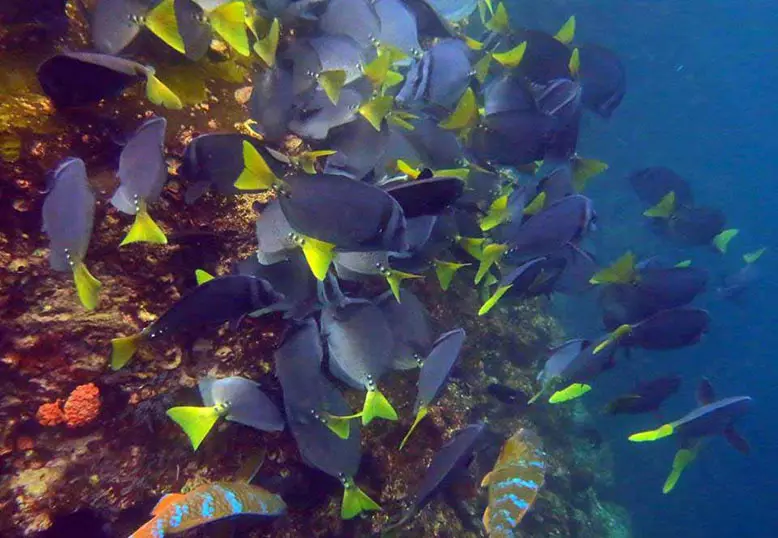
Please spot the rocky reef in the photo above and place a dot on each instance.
(102, 465)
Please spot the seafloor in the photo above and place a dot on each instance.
(102, 479)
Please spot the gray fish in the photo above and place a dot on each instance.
(356, 265)
(669, 329)
(438, 148)
(68, 217)
(559, 361)
(410, 323)
(397, 26)
(434, 373)
(244, 400)
(449, 73)
(359, 342)
(557, 184)
(652, 184)
(142, 175)
(339, 53)
(579, 269)
(271, 102)
(225, 298)
(321, 115)
(603, 79)
(116, 23)
(356, 19)
(193, 27)
(274, 235)
(535, 277)
(452, 457)
(359, 148)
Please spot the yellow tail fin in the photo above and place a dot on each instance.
(340, 426)
(195, 421)
(620, 331)
(375, 110)
(267, 46)
(162, 22)
(681, 460)
(144, 230)
(307, 159)
(377, 406)
(123, 348)
(664, 209)
(497, 214)
(499, 22)
(256, 174)
(566, 33)
(332, 83)
(482, 68)
(203, 276)
(622, 271)
(318, 254)
(751, 257)
(489, 256)
(377, 70)
(445, 272)
(229, 21)
(584, 170)
(537, 203)
(355, 501)
(159, 94)
(511, 58)
(489, 304)
(576, 390)
(721, 241)
(574, 65)
(652, 435)
(465, 114)
(87, 286)
(394, 278)
(423, 411)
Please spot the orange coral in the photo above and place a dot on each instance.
(82, 406)
(50, 414)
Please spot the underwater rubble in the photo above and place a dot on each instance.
(102, 471)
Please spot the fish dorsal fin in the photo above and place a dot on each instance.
(166, 501)
(737, 441)
(705, 392)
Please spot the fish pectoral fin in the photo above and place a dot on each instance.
(652, 435)
(681, 460)
(123, 348)
(319, 255)
(159, 94)
(229, 21)
(203, 276)
(195, 421)
(256, 174)
(576, 390)
(267, 46)
(511, 58)
(332, 83)
(423, 411)
(355, 501)
(87, 286)
(394, 278)
(161, 21)
(489, 304)
(377, 406)
(144, 230)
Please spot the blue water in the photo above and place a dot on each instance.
(702, 84)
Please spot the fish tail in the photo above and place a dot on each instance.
(340, 426)
(664, 209)
(195, 421)
(123, 348)
(445, 272)
(652, 435)
(419, 417)
(355, 501)
(574, 66)
(87, 286)
(229, 21)
(376, 109)
(159, 94)
(203, 276)
(377, 70)
(394, 278)
(161, 21)
(614, 337)
(482, 68)
(721, 241)
(682, 459)
(537, 203)
(493, 299)
(377, 406)
(465, 114)
(491, 253)
(567, 32)
(511, 58)
(267, 46)
(574, 391)
(256, 174)
(332, 83)
(622, 271)
(144, 230)
(584, 169)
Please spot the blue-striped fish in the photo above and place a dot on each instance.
(514, 483)
(179, 512)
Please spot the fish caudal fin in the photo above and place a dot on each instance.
(423, 411)
(489, 256)
(652, 435)
(340, 426)
(614, 337)
(394, 278)
(377, 406)
(584, 169)
(332, 83)
(622, 271)
(159, 94)
(318, 254)
(664, 209)
(574, 66)
(123, 348)
(464, 115)
(493, 299)
(537, 203)
(499, 22)
(161, 21)
(355, 501)
(87, 286)
(144, 230)
(482, 68)
(229, 21)
(721, 241)
(751, 257)
(511, 58)
(256, 174)
(195, 421)
(576, 390)
(203, 276)
(497, 214)
(682, 459)
(267, 46)
(376, 109)
(445, 272)
(567, 32)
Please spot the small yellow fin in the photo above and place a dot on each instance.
(681, 460)
(256, 174)
(423, 411)
(499, 22)
(472, 43)
(159, 94)
(318, 254)
(511, 58)
(684, 263)
(393, 78)
(266, 47)
(203, 276)
(407, 169)
(584, 170)
(394, 278)
(229, 21)
(376, 109)
(721, 241)
(355, 501)
(576, 390)
(473, 246)
(537, 204)
(332, 83)
(566, 33)
(195, 421)
(620, 331)
(622, 271)
(340, 426)
(144, 230)
(377, 406)
(497, 214)
(445, 272)
(751, 257)
(652, 435)
(87, 286)
(489, 304)
(574, 64)
(307, 160)
(464, 115)
(377, 70)
(161, 21)
(664, 209)
(123, 348)
(490, 254)
(482, 68)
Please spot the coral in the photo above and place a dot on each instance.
(82, 406)
(50, 414)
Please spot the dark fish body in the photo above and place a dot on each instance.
(588, 364)
(603, 79)
(271, 102)
(557, 184)
(356, 19)
(535, 277)
(560, 358)
(290, 278)
(409, 322)
(646, 397)
(142, 168)
(579, 268)
(321, 115)
(81, 78)
(244, 401)
(225, 298)
(437, 147)
(545, 58)
(424, 197)
(397, 26)
(115, 23)
(358, 146)
(274, 241)
(430, 22)
(68, 214)
(352, 215)
(437, 367)
(712, 419)
(439, 78)
(696, 226)
(654, 183)
(669, 329)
